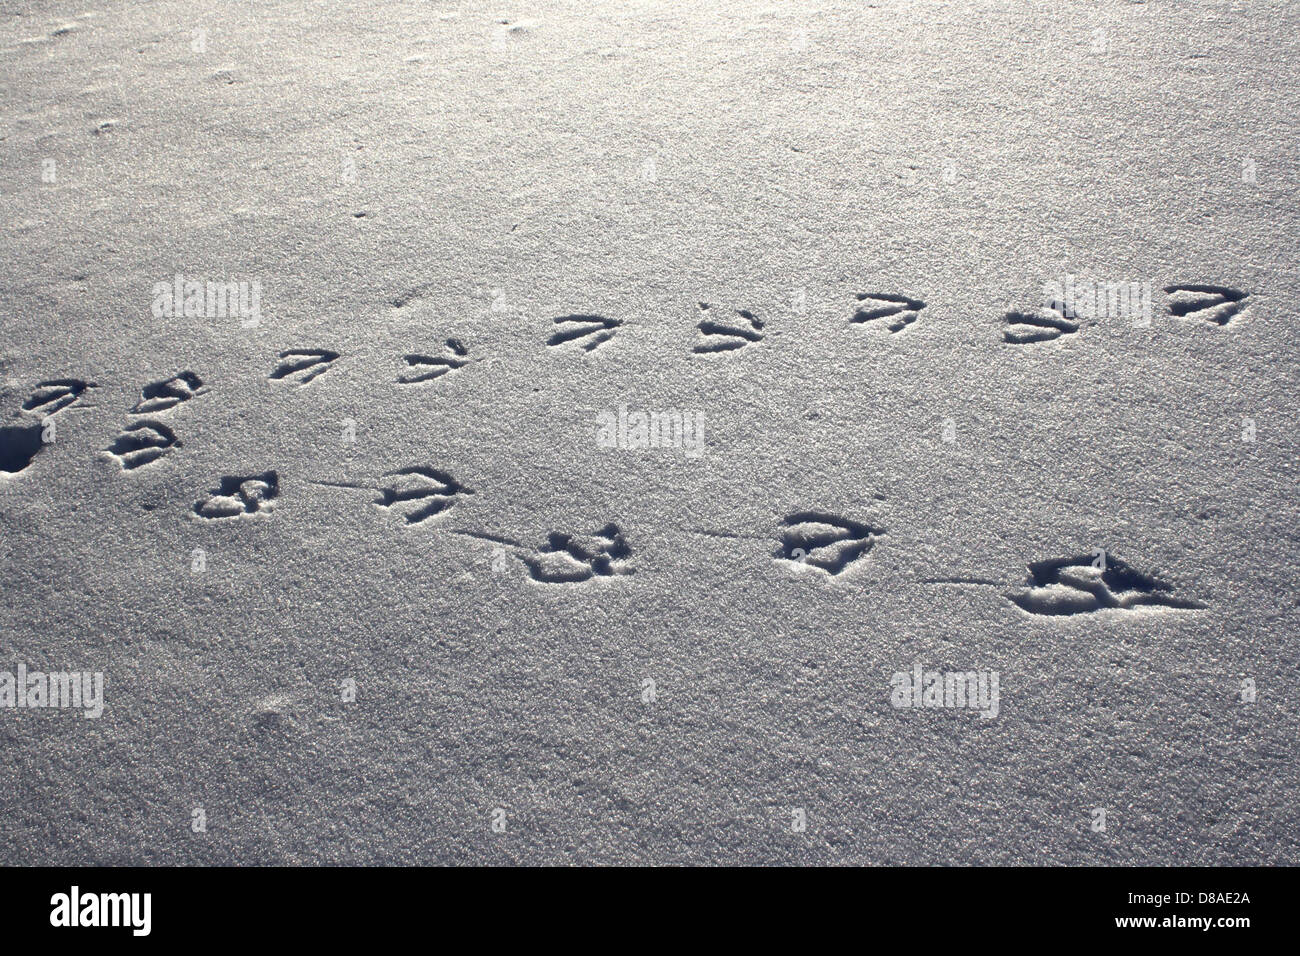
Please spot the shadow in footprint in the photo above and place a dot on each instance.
(568, 559)
(720, 337)
(159, 396)
(1040, 325)
(429, 490)
(901, 310)
(596, 329)
(825, 541)
(143, 442)
(424, 368)
(1217, 304)
(19, 444)
(309, 362)
(1084, 584)
(55, 395)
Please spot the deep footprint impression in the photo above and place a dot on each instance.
(1087, 583)
(19, 444)
(1039, 325)
(901, 310)
(55, 394)
(170, 392)
(594, 329)
(239, 495)
(719, 337)
(428, 491)
(423, 368)
(142, 443)
(306, 364)
(825, 541)
(1216, 304)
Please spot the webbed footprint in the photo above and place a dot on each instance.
(143, 442)
(824, 541)
(56, 394)
(1084, 584)
(238, 495)
(168, 393)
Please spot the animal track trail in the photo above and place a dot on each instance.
(1084, 584)
(424, 368)
(594, 329)
(168, 393)
(305, 364)
(141, 443)
(427, 492)
(239, 495)
(1216, 304)
(720, 337)
(56, 394)
(901, 310)
(1040, 325)
(824, 541)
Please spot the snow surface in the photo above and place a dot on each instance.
(395, 175)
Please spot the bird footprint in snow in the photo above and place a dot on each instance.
(423, 368)
(589, 331)
(1087, 583)
(238, 495)
(717, 336)
(827, 542)
(306, 364)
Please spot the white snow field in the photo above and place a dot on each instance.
(330, 335)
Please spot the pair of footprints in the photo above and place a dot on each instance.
(1215, 304)
(822, 541)
(1057, 586)
(728, 334)
(718, 336)
(418, 493)
(147, 439)
(303, 365)
(817, 540)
